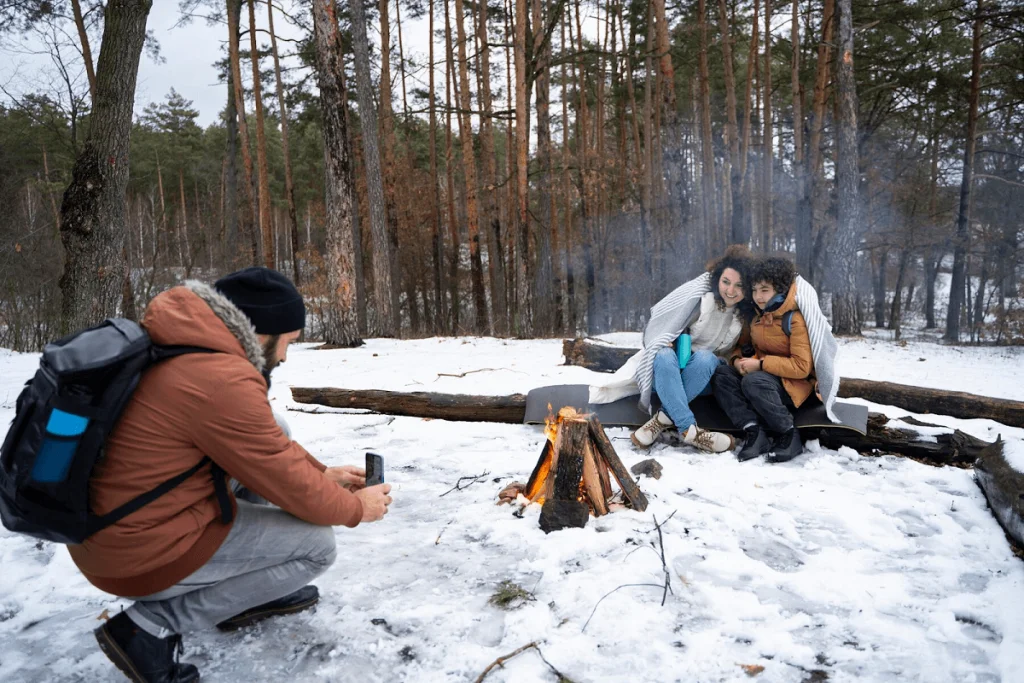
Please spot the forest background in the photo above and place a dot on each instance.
(547, 167)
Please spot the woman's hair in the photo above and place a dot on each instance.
(737, 257)
(779, 272)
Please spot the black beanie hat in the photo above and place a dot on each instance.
(267, 297)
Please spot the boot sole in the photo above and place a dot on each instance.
(117, 656)
(252, 618)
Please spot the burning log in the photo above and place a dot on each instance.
(601, 358)
(571, 479)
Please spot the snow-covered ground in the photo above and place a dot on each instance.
(834, 567)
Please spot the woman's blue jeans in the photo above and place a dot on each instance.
(677, 388)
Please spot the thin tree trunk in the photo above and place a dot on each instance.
(93, 222)
(879, 264)
(811, 218)
(266, 227)
(387, 140)
(933, 256)
(230, 204)
(249, 208)
(544, 292)
(340, 325)
(767, 139)
(83, 39)
(453, 226)
(743, 234)
(707, 145)
(491, 217)
(799, 169)
(896, 310)
(567, 209)
(289, 185)
(385, 321)
(523, 327)
(357, 228)
(845, 318)
(734, 211)
(480, 323)
(961, 236)
(435, 189)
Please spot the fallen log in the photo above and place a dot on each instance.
(955, 448)
(1004, 490)
(457, 407)
(602, 358)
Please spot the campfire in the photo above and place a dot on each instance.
(572, 478)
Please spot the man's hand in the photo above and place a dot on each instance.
(745, 366)
(351, 477)
(375, 501)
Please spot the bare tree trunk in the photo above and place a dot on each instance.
(799, 169)
(744, 233)
(879, 267)
(544, 293)
(385, 321)
(734, 203)
(811, 217)
(387, 140)
(435, 189)
(266, 228)
(230, 204)
(767, 192)
(289, 185)
(896, 310)
(340, 326)
(93, 219)
(453, 226)
(480, 323)
(707, 146)
(932, 257)
(83, 39)
(962, 235)
(249, 208)
(570, 276)
(523, 326)
(492, 217)
(845, 318)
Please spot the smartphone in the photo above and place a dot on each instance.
(374, 469)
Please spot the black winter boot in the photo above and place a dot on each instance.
(141, 657)
(755, 444)
(787, 447)
(300, 600)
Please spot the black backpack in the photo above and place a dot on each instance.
(62, 419)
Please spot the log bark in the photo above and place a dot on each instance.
(955, 448)
(1004, 489)
(915, 399)
(629, 488)
(466, 408)
(571, 441)
(92, 213)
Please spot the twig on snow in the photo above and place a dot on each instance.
(500, 661)
(664, 565)
(625, 585)
(438, 541)
(475, 479)
(470, 372)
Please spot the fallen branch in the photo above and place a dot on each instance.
(470, 372)
(477, 478)
(625, 585)
(500, 661)
(664, 565)
(585, 353)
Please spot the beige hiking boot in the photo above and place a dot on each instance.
(708, 441)
(652, 429)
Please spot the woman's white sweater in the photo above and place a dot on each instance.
(715, 330)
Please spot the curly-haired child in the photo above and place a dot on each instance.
(760, 392)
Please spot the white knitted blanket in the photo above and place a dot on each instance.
(672, 315)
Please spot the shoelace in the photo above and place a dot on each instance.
(704, 440)
(177, 648)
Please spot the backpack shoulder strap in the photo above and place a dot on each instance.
(161, 352)
(787, 323)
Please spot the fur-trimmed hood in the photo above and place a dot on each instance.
(196, 314)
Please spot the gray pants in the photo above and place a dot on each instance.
(267, 554)
(757, 397)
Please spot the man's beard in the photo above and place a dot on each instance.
(270, 360)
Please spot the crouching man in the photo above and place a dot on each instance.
(200, 556)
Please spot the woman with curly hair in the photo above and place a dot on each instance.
(689, 335)
(762, 391)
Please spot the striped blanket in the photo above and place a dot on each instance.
(674, 313)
